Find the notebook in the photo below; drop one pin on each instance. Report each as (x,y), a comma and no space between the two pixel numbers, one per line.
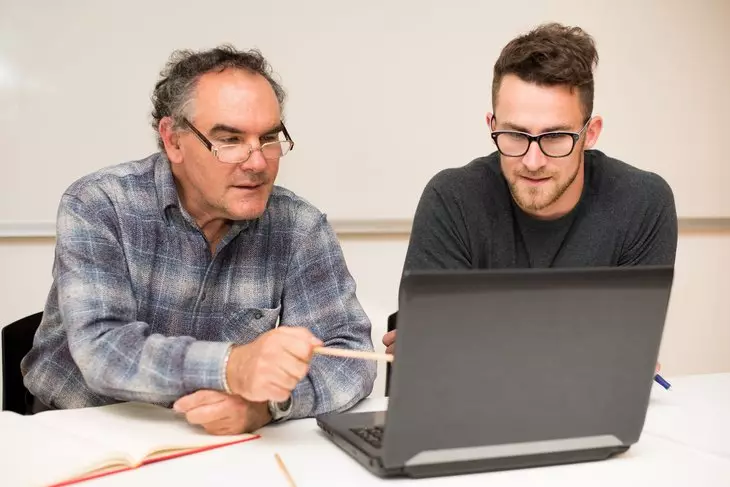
(67,446)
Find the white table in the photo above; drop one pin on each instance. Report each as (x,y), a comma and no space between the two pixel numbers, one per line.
(686,441)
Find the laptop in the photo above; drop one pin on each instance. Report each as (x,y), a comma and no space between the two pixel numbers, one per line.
(501,369)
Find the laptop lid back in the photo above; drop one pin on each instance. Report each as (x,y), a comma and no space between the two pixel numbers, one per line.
(497,363)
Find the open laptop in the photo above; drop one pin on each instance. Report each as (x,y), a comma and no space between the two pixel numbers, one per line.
(499,369)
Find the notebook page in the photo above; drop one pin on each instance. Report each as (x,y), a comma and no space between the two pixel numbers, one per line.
(34,454)
(138,429)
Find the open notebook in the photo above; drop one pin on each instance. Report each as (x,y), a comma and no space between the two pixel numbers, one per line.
(63,447)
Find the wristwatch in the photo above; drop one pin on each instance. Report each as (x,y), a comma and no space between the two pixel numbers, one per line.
(280,410)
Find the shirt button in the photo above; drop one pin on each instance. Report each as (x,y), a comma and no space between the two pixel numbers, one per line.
(258,315)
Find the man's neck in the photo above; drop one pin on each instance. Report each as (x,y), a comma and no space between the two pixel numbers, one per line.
(213,226)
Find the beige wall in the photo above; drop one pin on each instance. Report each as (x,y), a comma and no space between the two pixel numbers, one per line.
(697,337)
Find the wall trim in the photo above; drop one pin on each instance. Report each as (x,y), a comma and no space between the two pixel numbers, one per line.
(373,227)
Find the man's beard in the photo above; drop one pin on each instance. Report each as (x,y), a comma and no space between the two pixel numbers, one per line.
(539,198)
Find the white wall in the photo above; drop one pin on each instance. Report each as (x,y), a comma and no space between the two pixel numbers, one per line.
(696,340)
(383,93)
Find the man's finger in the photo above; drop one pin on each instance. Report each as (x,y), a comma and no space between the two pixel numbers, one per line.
(209,413)
(389,338)
(197,399)
(225,426)
(277,394)
(301,333)
(283,379)
(295,368)
(299,349)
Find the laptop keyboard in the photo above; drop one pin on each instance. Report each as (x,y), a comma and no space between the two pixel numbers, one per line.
(373,435)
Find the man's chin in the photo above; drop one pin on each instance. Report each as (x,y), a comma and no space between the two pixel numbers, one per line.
(246,212)
(531,202)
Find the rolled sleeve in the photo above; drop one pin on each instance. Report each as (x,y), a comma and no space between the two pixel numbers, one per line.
(204,365)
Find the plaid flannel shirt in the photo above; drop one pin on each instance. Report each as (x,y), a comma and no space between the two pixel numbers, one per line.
(140,310)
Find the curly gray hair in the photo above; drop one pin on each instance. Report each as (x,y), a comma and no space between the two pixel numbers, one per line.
(175,89)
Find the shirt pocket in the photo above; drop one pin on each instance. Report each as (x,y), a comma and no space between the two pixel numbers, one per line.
(246,325)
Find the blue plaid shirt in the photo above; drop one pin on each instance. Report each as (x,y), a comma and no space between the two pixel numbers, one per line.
(140,310)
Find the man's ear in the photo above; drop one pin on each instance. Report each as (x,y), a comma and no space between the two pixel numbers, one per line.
(171,139)
(491,121)
(593,131)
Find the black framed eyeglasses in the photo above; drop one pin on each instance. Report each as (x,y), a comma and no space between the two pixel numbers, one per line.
(276,144)
(513,143)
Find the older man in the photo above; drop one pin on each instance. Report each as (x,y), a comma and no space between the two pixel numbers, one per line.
(187,277)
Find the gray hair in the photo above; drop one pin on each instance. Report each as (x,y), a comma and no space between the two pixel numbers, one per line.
(174,91)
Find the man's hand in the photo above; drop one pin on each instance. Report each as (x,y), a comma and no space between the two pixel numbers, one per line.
(223,414)
(270,367)
(389,341)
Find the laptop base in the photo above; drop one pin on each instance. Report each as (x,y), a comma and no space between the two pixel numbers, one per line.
(338,429)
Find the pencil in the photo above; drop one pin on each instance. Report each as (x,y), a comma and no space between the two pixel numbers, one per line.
(284,470)
(342,352)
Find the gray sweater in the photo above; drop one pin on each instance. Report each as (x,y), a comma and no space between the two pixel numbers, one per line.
(467,219)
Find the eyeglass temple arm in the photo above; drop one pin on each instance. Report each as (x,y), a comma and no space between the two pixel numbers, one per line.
(199,134)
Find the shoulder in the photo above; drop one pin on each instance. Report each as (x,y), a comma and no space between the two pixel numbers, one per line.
(479,174)
(288,211)
(616,180)
(479,185)
(112,183)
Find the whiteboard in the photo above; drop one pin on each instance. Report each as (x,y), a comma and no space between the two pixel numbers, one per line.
(381,94)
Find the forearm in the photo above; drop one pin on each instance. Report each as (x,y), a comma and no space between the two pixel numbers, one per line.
(320,295)
(123,363)
(333,384)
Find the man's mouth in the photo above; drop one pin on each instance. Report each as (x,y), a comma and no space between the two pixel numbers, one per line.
(534,180)
(248,186)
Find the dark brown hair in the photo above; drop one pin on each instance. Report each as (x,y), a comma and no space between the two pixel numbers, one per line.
(551,54)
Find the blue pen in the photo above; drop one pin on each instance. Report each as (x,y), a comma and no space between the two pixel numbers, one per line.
(660,380)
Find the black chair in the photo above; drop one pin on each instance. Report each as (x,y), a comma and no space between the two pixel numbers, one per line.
(392,319)
(17,341)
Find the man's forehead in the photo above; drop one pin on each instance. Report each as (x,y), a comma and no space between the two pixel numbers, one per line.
(237,99)
(523,106)
(234,86)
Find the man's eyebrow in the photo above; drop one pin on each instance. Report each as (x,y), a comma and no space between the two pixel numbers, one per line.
(557,128)
(276,129)
(220,128)
(554,128)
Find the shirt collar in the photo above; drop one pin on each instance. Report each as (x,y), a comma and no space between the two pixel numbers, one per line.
(165,184)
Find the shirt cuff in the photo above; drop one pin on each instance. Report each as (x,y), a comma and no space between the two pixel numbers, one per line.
(302,400)
(204,366)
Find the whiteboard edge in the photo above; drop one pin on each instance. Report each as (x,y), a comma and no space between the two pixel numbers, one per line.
(343,227)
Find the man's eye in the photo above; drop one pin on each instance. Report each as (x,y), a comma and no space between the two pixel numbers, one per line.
(269,138)
(230,140)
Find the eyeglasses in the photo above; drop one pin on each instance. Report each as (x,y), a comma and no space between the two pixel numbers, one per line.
(512,143)
(275,145)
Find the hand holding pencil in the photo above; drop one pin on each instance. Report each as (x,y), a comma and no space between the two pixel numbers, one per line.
(270,367)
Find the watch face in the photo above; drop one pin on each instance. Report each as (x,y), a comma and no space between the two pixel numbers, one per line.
(279,409)
(285,405)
